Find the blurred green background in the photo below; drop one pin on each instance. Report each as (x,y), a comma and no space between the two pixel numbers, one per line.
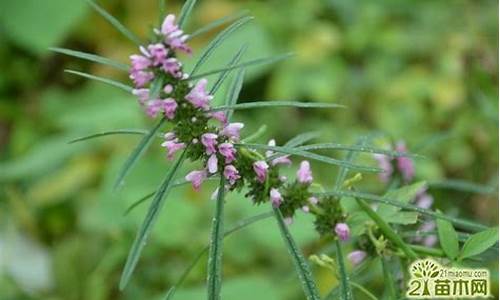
(421,71)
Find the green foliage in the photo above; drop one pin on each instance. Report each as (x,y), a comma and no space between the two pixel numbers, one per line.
(448,238)
(479,242)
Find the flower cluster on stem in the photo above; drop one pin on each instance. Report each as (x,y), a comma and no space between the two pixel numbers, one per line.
(164,90)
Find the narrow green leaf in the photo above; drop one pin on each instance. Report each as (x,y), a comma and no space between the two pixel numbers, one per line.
(313,156)
(357,148)
(465,224)
(448,238)
(162,8)
(110,132)
(119,26)
(137,152)
(111,82)
(334,294)
(149,221)
(234,60)
(234,91)
(145,198)
(217,23)
(217,41)
(186,10)
(345,288)
(255,62)
(92,57)
(260,104)
(256,135)
(426,251)
(389,280)
(302,139)
(363,290)
(387,230)
(463,186)
(240,225)
(301,265)
(479,242)
(214,270)
(404,194)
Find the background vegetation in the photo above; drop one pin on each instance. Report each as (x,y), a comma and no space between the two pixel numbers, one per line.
(421,71)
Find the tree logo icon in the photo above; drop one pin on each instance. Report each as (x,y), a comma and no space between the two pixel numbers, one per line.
(423,271)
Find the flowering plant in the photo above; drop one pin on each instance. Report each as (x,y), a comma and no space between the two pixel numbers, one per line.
(205,134)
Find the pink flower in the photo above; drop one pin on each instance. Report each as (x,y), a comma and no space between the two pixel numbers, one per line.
(142,94)
(260,167)
(305,208)
(169,136)
(231,174)
(172,146)
(288,221)
(198,96)
(168,89)
(219,116)
(356,257)
(342,231)
(173,35)
(276,198)
(169,106)
(158,53)
(141,78)
(196,178)
(424,201)
(212,164)
(232,130)
(304,174)
(385,164)
(284,160)
(153,107)
(405,164)
(172,66)
(209,140)
(228,151)
(139,62)
(313,200)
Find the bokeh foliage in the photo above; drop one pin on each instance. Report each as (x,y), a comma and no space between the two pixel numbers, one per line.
(422,71)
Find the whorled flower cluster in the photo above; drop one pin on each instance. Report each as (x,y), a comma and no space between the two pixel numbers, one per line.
(164,89)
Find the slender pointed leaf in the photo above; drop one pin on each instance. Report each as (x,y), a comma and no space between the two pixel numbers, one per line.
(145,198)
(261,104)
(186,10)
(463,186)
(217,41)
(387,230)
(448,238)
(137,152)
(240,225)
(345,288)
(389,281)
(343,171)
(149,221)
(111,82)
(162,8)
(357,148)
(214,278)
(301,265)
(479,242)
(92,57)
(110,132)
(255,62)
(234,91)
(119,26)
(236,58)
(301,139)
(469,225)
(313,156)
(217,23)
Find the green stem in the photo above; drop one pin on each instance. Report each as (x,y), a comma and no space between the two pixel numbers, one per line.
(262,129)
(363,290)
(345,290)
(428,251)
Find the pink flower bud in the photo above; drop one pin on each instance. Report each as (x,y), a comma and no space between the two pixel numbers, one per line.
(260,167)
(212,164)
(232,130)
(276,198)
(228,151)
(196,178)
(172,147)
(405,164)
(356,257)
(169,107)
(198,96)
(304,174)
(342,231)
